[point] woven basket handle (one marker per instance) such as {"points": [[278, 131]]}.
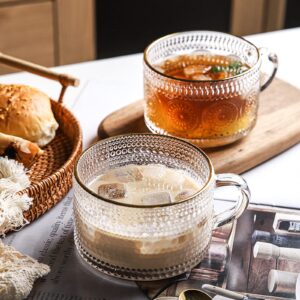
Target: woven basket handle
{"points": [[64, 79]]}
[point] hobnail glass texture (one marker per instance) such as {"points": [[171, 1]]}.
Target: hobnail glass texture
{"points": [[209, 113], [140, 242]]}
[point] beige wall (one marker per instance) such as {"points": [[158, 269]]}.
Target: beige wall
{"points": [[255, 16], [57, 32], [47, 32]]}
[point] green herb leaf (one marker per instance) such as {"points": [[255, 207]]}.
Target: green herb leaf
{"points": [[235, 65], [234, 68], [217, 69]]}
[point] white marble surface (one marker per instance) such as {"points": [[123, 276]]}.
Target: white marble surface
{"points": [[109, 84]]}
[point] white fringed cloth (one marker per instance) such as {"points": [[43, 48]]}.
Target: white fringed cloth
{"points": [[18, 272]]}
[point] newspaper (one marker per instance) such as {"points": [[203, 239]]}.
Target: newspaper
{"points": [[50, 240], [229, 262]]}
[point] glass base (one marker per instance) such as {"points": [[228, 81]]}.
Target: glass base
{"points": [[136, 274], [203, 143]]}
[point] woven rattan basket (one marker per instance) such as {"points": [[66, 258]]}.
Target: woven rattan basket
{"points": [[51, 174]]}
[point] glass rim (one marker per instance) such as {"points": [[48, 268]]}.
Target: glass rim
{"points": [[152, 44], [201, 152]]}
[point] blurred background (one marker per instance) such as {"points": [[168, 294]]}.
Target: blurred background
{"points": [[59, 32]]}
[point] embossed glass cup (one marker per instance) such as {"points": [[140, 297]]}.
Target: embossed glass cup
{"points": [[206, 112], [148, 242]]}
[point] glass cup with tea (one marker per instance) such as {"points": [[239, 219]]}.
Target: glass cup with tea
{"points": [[143, 205], [203, 86]]}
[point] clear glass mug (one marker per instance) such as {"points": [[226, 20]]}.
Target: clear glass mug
{"points": [[208, 113], [148, 242]]}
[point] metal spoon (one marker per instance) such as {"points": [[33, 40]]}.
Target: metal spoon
{"points": [[223, 292], [227, 293], [188, 295], [199, 295]]}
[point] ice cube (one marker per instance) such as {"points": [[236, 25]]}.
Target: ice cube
{"points": [[157, 246], [156, 171], [159, 68], [184, 194], [201, 77], [174, 179], [124, 174], [112, 190], [156, 198], [193, 70]]}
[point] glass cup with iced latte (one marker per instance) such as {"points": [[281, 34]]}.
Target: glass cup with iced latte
{"points": [[143, 205]]}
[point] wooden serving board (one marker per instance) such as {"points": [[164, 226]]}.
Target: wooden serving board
{"points": [[277, 129]]}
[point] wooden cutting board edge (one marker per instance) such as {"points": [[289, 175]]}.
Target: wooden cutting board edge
{"points": [[268, 144], [223, 158]]}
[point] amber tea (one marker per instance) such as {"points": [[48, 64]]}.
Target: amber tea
{"points": [[203, 116], [202, 67]]}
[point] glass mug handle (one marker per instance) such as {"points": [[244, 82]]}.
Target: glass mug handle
{"points": [[272, 57], [227, 216]]}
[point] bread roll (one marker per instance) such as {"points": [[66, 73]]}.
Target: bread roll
{"points": [[26, 112], [19, 149]]}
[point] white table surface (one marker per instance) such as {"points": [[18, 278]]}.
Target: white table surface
{"points": [[109, 84]]}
